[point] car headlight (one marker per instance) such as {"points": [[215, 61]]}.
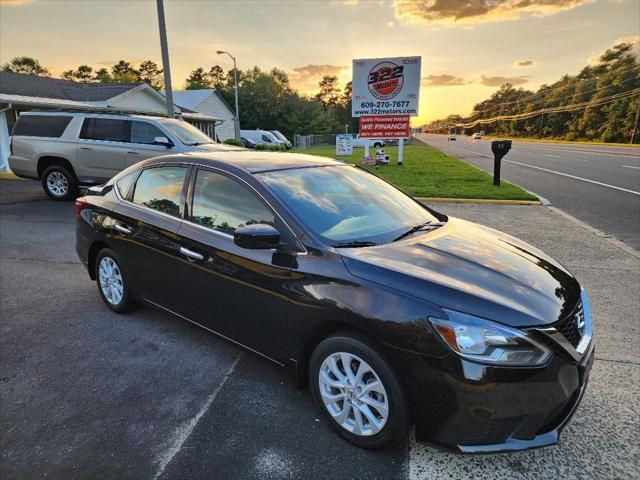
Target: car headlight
{"points": [[487, 342]]}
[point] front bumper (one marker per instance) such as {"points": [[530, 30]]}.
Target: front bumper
{"points": [[466, 407]]}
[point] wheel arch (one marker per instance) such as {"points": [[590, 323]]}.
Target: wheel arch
{"points": [[94, 249], [46, 161], [321, 332]]}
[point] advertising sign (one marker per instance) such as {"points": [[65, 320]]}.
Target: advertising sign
{"points": [[386, 86], [344, 144], [385, 126]]}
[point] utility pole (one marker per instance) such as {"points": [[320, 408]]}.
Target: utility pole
{"points": [[168, 92], [236, 122], [635, 125]]}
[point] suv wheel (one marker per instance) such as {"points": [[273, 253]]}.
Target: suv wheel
{"points": [[358, 392], [111, 282], [59, 183]]}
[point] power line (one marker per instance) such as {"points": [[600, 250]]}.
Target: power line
{"points": [[558, 109]]}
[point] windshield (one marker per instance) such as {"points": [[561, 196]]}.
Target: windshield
{"points": [[187, 133], [345, 204], [279, 136]]}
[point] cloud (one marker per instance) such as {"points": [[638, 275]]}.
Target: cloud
{"points": [[443, 80], [525, 63], [477, 11], [634, 40], [499, 81], [306, 78], [14, 3]]}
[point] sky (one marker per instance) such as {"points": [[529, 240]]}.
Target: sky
{"points": [[468, 47]]}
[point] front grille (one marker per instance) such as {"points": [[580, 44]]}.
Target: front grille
{"points": [[569, 327], [491, 431]]}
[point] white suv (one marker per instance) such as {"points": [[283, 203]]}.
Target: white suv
{"points": [[65, 150]]}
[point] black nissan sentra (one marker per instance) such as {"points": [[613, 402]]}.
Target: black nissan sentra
{"points": [[394, 314]]}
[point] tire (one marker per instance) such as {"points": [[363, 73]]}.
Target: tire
{"points": [[385, 430], [59, 183], [111, 282]]}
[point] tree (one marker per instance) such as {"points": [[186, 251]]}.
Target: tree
{"points": [[216, 76], [198, 79], [27, 65], [149, 72], [124, 72], [103, 76], [329, 94], [84, 74]]}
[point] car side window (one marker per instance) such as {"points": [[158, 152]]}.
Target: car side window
{"points": [[106, 129], [145, 133], [124, 184], [160, 188], [266, 139], [225, 205]]}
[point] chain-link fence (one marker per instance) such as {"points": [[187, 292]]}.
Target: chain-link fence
{"points": [[329, 139]]}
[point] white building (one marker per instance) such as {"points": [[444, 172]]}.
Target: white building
{"points": [[208, 102], [20, 92]]}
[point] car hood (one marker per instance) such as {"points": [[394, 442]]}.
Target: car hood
{"points": [[215, 147], [473, 269]]}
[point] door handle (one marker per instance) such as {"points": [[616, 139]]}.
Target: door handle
{"points": [[122, 229], [190, 254], [133, 153], [85, 148]]}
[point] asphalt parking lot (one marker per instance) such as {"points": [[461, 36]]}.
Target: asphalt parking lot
{"points": [[85, 393]]}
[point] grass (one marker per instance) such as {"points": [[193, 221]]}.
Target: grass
{"points": [[428, 172]]}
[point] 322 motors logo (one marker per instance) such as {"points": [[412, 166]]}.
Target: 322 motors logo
{"points": [[386, 80]]}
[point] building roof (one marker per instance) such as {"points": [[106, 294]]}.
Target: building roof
{"points": [[190, 98], [33, 86]]}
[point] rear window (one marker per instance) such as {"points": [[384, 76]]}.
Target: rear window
{"points": [[41, 125], [106, 129]]}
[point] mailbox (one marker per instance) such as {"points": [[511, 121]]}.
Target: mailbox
{"points": [[499, 149]]}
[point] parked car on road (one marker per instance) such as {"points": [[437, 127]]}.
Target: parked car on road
{"points": [[65, 150], [393, 313], [477, 136], [288, 145], [451, 137]]}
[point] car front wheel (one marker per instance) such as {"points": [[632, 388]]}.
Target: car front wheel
{"points": [[111, 282], [358, 392], [59, 183]]}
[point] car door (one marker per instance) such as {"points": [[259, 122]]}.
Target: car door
{"points": [[143, 144], [238, 293], [145, 232], [102, 145]]}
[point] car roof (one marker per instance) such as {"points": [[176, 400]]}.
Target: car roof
{"points": [[251, 160]]}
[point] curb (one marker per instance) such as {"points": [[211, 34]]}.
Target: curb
{"points": [[478, 200], [9, 176]]}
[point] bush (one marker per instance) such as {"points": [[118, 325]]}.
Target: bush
{"points": [[271, 148], [233, 141]]}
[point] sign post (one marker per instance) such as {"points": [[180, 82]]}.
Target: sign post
{"points": [[386, 93]]}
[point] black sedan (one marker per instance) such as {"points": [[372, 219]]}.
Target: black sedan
{"points": [[393, 313]]}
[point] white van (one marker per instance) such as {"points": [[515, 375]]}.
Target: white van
{"points": [[261, 137]]}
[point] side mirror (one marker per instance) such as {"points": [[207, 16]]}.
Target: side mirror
{"points": [[258, 236], [163, 141]]}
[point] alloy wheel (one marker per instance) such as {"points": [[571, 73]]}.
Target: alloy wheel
{"points": [[57, 184], [353, 394], [110, 280]]}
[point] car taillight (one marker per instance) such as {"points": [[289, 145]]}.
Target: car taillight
{"points": [[81, 202]]}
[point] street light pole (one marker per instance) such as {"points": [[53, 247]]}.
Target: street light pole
{"points": [[235, 79], [165, 60]]}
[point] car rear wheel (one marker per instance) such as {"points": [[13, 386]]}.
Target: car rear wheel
{"points": [[111, 282], [59, 183], [358, 392]]}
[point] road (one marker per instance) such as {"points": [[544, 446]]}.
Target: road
{"points": [[86, 393], [599, 185]]}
